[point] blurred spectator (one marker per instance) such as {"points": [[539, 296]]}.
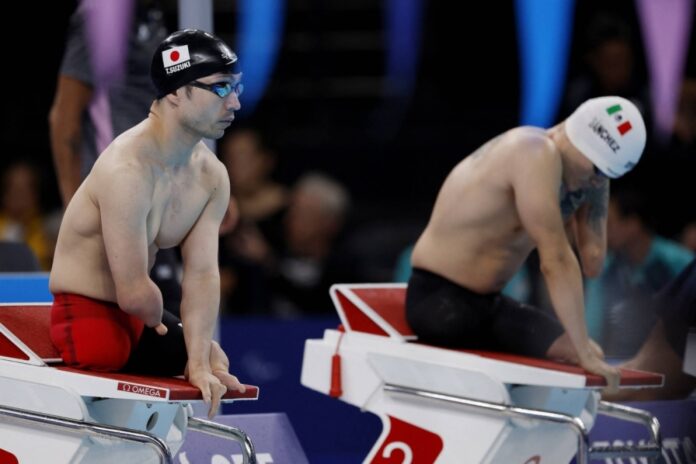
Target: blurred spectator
{"points": [[609, 67], [311, 259], [688, 236], [665, 349], [21, 219], [85, 115], [676, 162], [684, 134], [380, 244], [639, 263], [248, 253], [250, 164]]}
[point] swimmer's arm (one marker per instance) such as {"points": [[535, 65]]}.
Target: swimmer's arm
{"points": [[591, 229], [571, 232], [124, 202], [536, 181], [65, 122], [201, 281]]}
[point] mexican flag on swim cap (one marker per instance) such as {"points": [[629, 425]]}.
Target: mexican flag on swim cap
{"points": [[610, 132], [616, 111]]}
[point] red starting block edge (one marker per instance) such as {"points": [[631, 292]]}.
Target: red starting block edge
{"points": [[37, 389], [379, 309], [439, 405]]}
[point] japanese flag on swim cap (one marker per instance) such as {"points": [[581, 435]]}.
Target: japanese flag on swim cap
{"points": [[610, 132], [187, 55]]}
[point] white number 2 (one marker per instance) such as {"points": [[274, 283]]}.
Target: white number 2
{"points": [[401, 446]]}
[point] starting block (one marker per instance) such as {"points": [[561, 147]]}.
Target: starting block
{"points": [[53, 413], [440, 405]]}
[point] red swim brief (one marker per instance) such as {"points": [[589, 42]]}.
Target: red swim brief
{"points": [[93, 334]]}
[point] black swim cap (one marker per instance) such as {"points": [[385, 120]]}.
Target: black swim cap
{"points": [[185, 56]]}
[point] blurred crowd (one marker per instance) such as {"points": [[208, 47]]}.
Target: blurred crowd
{"points": [[294, 239]]}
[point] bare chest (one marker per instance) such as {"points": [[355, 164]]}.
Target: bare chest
{"points": [[508, 232], [176, 207]]}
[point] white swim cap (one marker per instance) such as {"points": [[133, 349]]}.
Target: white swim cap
{"points": [[610, 132]]}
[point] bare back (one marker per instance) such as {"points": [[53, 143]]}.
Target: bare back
{"points": [[475, 236], [171, 198]]}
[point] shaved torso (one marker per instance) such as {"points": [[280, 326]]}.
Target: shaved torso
{"points": [[475, 236], [174, 198]]}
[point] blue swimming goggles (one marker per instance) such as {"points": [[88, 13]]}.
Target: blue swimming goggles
{"points": [[221, 89]]}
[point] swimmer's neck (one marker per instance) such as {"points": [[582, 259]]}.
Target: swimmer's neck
{"points": [[174, 144]]}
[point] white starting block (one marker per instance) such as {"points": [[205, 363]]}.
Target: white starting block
{"points": [[53, 413], [446, 406]]}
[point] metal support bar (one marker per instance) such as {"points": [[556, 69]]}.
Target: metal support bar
{"points": [[228, 432], [109, 431], [578, 427], [509, 411], [651, 450], [639, 416]]}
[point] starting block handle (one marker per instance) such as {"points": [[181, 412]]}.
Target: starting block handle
{"points": [[57, 422], [633, 415], [228, 432], [506, 410], [652, 450]]}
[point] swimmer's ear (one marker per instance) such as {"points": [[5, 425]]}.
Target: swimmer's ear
{"points": [[174, 97]]}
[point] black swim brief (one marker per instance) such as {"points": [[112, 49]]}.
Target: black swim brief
{"points": [[443, 313]]}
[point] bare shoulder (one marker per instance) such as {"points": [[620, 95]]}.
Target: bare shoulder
{"points": [[122, 161], [124, 165], [529, 140], [530, 146], [528, 159], [212, 170], [209, 162]]}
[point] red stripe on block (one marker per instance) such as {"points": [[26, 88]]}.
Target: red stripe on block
{"points": [[10, 350], [7, 458], [357, 319]]}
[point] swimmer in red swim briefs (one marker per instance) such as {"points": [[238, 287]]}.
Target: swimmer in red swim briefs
{"points": [[155, 186]]}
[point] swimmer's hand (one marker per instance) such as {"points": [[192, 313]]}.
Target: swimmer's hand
{"points": [[213, 385], [593, 362], [220, 367], [212, 389]]}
